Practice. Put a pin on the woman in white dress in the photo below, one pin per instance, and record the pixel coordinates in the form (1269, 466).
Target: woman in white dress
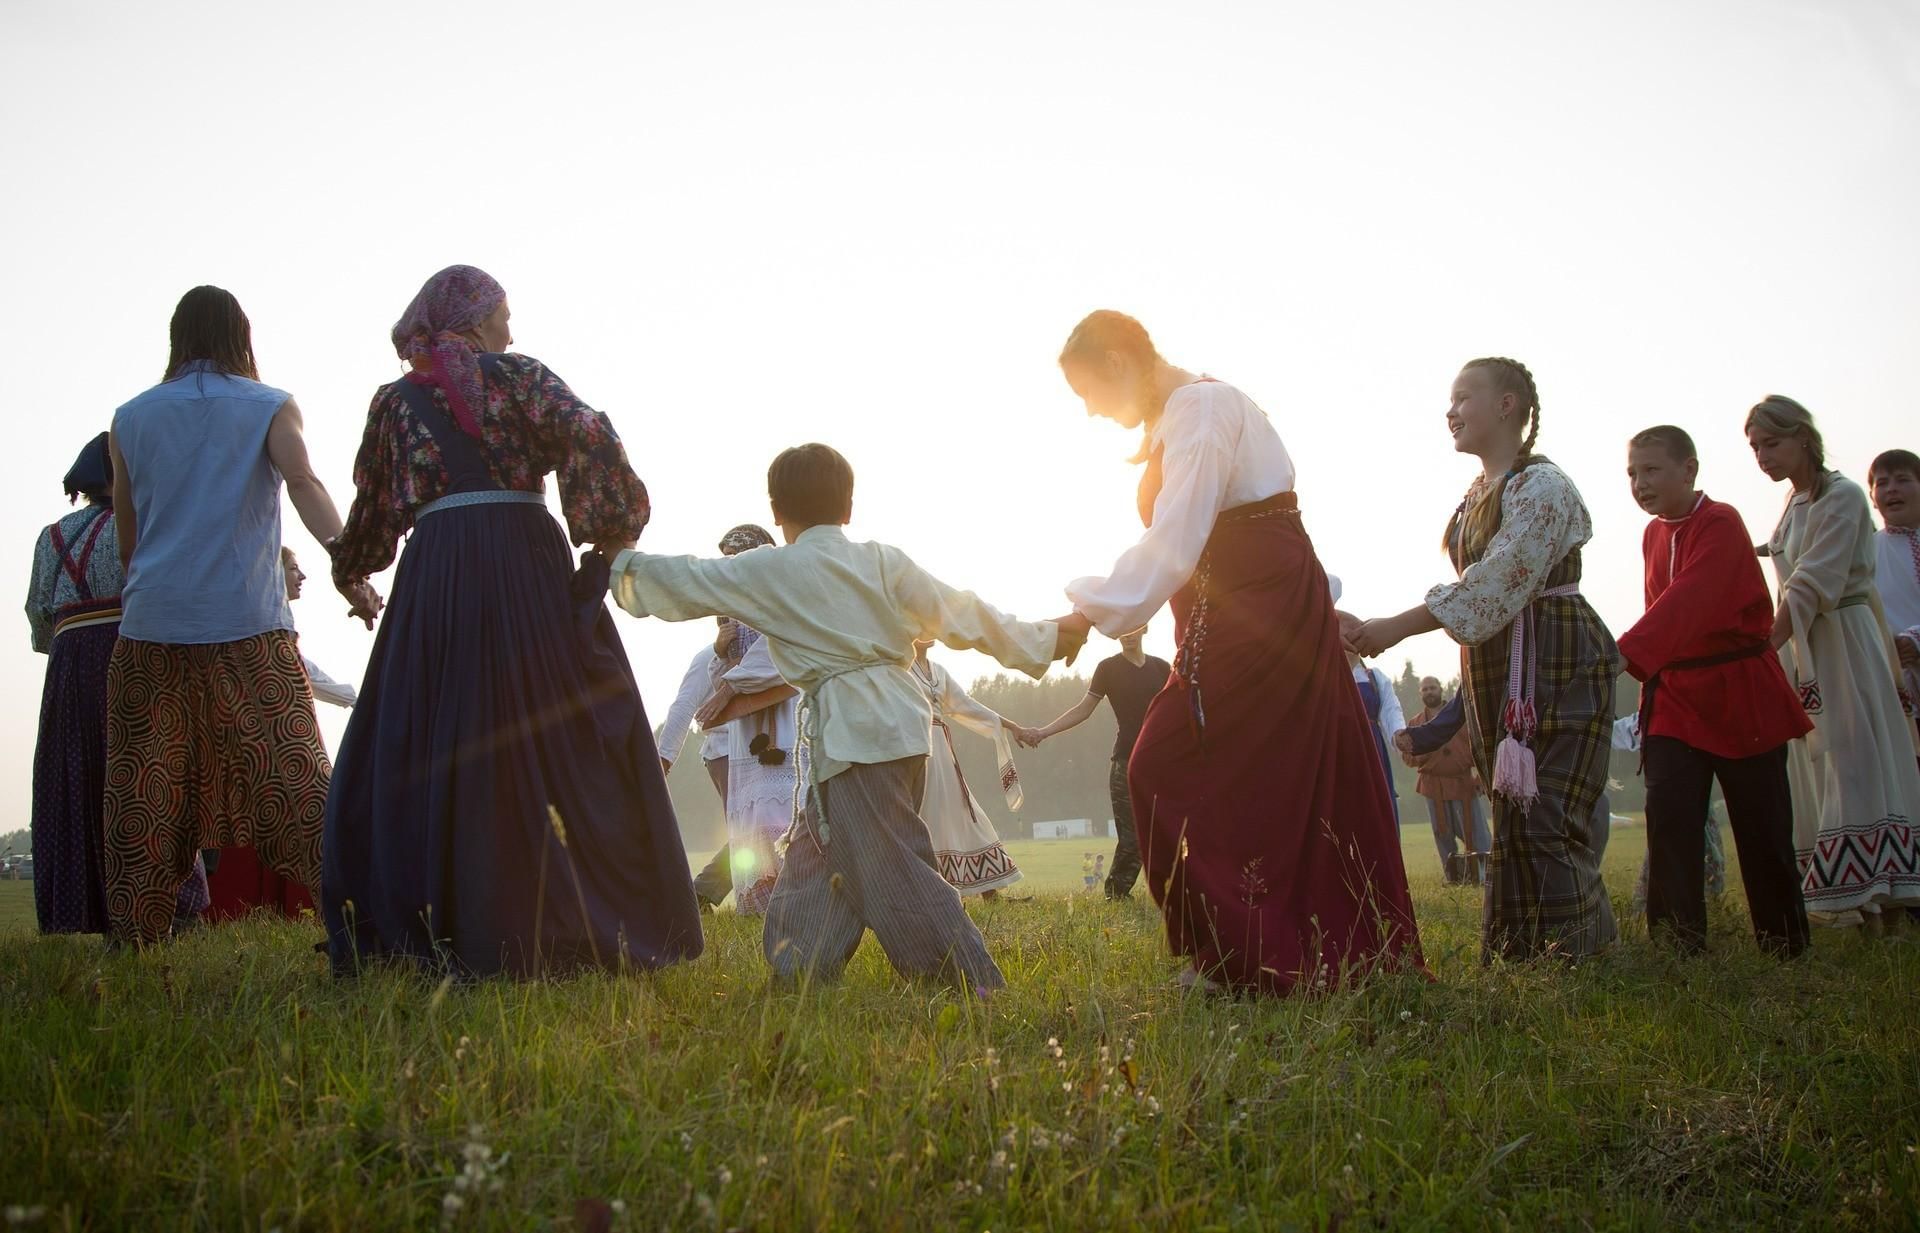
(1856, 790)
(965, 846)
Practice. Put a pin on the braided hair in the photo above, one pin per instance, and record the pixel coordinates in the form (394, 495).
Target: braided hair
(1474, 523)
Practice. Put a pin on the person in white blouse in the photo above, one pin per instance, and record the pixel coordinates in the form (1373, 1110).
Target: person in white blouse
(1265, 828)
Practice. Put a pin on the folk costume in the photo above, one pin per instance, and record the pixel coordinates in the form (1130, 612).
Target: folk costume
(1454, 806)
(1714, 705)
(965, 846)
(1537, 669)
(73, 614)
(1856, 786)
(499, 806)
(1264, 824)
(840, 620)
(211, 738)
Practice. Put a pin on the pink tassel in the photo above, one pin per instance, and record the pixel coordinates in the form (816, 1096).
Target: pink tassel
(1514, 775)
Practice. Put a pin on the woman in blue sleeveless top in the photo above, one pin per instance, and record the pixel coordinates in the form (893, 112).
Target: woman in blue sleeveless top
(74, 612)
(211, 740)
(499, 804)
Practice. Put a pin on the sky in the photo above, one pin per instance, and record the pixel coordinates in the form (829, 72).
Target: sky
(735, 227)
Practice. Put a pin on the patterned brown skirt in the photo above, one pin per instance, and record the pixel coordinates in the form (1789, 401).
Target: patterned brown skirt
(209, 746)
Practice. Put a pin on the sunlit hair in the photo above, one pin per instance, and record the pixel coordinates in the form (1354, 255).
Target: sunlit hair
(1893, 461)
(1105, 330)
(1780, 416)
(1674, 440)
(209, 325)
(1475, 524)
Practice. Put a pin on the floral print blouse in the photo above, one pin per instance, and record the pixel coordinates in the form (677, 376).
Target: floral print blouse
(531, 424)
(1542, 519)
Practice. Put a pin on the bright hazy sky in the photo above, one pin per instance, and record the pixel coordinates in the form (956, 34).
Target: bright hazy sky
(735, 227)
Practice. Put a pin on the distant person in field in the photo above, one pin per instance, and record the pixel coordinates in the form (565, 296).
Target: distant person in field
(1129, 682)
(211, 739)
(499, 806)
(73, 618)
(237, 883)
(760, 714)
(841, 619)
(966, 847)
(1452, 791)
(1088, 878)
(1537, 669)
(1894, 481)
(1714, 704)
(1265, 827)
(1856, 789)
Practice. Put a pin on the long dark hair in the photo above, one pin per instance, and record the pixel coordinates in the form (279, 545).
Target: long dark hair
(209, 325)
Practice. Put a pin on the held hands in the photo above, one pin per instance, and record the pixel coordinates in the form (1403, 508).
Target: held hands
(1074, 629)
(363, 602)
(1028, 738)
(613, 548)
(1909, 647)
(1369, 639)
(711, 708)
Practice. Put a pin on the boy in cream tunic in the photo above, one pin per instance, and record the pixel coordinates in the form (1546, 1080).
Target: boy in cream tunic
(840, 619)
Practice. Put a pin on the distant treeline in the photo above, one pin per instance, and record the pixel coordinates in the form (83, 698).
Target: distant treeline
(1067, 776)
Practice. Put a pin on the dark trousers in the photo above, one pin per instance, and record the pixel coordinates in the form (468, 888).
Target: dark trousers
(1126, 847)
(1760, 809)
(715, 882)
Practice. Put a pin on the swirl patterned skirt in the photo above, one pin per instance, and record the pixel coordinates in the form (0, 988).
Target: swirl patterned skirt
(69, 774)
(211, 746)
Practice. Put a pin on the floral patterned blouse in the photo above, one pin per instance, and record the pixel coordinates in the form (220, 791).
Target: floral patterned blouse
(532, 424)
(1542, 519)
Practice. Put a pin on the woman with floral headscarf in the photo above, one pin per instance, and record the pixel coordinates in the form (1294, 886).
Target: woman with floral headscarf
(498, 804)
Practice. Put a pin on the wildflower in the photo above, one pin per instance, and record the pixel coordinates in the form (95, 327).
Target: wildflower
(619, 1207)
(1406, 1016)
(1348, 1170)
(451, 1205)
(724, 1176)
(760, 1162)
(686, 1142)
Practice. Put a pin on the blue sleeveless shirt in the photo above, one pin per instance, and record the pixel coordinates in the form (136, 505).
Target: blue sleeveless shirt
(206, 501)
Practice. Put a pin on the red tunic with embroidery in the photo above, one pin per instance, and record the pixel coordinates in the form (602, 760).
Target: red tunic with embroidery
(1706, 599)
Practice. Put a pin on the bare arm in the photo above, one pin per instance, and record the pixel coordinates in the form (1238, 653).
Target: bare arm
(123, 525)
(287, 450)
(1073, 717)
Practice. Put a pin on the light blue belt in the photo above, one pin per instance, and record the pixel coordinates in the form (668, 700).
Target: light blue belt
(489, 496)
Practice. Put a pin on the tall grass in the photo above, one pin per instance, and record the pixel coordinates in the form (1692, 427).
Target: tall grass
(225, 1082)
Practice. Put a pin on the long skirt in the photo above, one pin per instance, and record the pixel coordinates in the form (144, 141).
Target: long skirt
(238, 885)
(208, 746)
(1544, 893)
(965, 846)
(1266, 832)
(499, 805)
(1856, 788)
(69, 790)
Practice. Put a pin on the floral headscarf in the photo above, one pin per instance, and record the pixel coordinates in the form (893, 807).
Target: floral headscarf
(745, 536)
(430, 335)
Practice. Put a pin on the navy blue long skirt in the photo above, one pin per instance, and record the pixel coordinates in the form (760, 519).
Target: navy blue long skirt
(497, 804)
(69, 790)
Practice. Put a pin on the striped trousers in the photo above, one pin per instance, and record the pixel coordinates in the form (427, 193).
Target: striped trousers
(876, 871)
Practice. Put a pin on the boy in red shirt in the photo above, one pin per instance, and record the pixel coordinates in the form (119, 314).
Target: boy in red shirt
(1715, 704)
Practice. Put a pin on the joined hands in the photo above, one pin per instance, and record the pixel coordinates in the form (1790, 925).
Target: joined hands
(1073, 631)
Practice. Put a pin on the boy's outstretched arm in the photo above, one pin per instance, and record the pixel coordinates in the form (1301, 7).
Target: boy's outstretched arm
(965, 622)
(687, 588)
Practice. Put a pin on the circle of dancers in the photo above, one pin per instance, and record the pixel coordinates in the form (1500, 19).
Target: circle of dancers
(499, 803)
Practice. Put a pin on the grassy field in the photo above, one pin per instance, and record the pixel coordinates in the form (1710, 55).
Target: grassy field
(226, 1082)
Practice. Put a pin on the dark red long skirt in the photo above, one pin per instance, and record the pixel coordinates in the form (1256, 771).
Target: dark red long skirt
(1267, 835)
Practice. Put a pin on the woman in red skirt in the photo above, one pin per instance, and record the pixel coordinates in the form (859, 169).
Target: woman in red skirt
(1265, 829)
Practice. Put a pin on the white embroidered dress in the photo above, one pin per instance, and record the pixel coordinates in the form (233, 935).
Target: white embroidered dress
(760, 794)
(1856, 789)
(1898, 579)
(966, 848)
